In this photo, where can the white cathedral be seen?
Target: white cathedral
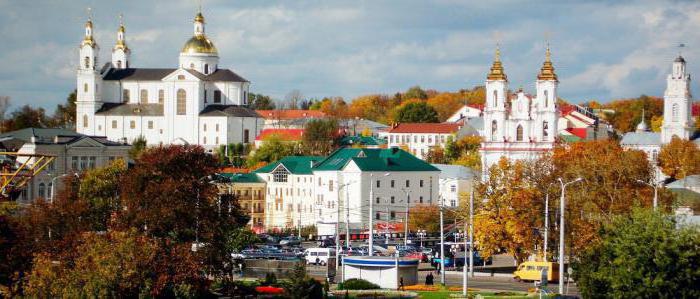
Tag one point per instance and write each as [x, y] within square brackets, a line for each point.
[196, 103]
[677, 117]
[519, 126]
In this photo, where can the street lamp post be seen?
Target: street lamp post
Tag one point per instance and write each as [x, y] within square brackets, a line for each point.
[53, 190]
[441, 200]
[656, 192]
[408, 200]
[421, 235]
[337, 224]
[371, 212]
[562, 205]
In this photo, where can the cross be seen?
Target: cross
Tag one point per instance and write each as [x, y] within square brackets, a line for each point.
[89, 13]
[680, 48]
[121, 19]
[199, 4]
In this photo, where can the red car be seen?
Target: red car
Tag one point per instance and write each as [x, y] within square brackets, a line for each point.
[418, 255]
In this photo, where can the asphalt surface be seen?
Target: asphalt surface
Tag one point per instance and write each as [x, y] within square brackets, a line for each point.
[494, 283]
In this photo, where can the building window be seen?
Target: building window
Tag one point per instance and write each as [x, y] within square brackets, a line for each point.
[408, 183]
[494, 128]
[92, 162]
[392, 200]
[126, 96]
[392, 183]
[204, 140]
[85, 121]
[49, 190]
[330, 185]
[182, 77]
[420, 183]
[545, 131]
[217, 96]
[453, 188]
[495, 98]
[114, 124]
[420, 199]
[245, 98]
[377, 200]
[674, 112]
[216, 140]
[161, 96]
[119, 64]
[132, 124]
[42, 190]
[204, 127]
[85, 87]
[144, 96]
[392, 215]
[150, 124]
[376, 216]
[181, 102]
[217, 127]
[206, 69]
[378, 184]
[87, 62]
[519, 133]
[546, 99]
[83, 162]
[280, 175]
[453, 203]
[205, 96]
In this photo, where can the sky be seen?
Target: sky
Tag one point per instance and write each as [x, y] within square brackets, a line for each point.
[601, 50]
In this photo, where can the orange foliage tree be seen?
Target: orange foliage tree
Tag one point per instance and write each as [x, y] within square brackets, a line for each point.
[679, 158]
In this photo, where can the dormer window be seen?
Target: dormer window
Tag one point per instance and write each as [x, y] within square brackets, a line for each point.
[206, 69]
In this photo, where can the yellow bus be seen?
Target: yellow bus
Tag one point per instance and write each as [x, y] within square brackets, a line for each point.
[532, 271]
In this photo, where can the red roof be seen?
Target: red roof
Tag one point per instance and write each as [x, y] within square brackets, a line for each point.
[695, 110]
[442, 128]
[578, 132]
[289, 114]
[284, 134]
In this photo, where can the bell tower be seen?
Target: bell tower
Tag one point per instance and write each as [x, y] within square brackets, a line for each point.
[678, 120]
[120, 52]
[545, 103]
[89, 83]
[495, 107]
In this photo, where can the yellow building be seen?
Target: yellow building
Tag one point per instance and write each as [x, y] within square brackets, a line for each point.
[250, 192]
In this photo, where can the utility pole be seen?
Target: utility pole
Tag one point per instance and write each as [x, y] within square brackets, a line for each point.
[347, 218]
[471, 231]
[371, 214]
[562, 206]
[546, 224]
[408, 200]
[442, 242]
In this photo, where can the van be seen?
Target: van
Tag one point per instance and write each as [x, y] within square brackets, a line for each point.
[532, 271]
[318, 255]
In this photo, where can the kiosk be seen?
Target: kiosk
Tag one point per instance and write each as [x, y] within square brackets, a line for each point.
[384, 271]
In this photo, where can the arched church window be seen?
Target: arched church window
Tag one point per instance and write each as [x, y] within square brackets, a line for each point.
[87, 62]
[181, 102]
[85, 121]
[494, 128]
[519, 133]
[161, 96]
[144, 96]
[546, 98]
[495, 98]
[545, 131]
[674, 112]
[206, 69]
[119, 64]
[125, 96]
[85, 87]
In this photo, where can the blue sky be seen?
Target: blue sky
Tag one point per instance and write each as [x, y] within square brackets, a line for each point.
[601, 49]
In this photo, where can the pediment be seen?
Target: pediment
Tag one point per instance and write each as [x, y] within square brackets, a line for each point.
[86, 142]
[181, 75]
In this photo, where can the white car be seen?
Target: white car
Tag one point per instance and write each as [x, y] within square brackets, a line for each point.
[318, 255]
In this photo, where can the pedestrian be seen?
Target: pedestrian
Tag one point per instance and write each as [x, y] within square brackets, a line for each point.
[401, 284]
[429, 279]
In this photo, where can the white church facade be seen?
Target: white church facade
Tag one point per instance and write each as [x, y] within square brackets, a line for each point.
[195, 103]
[519, 126]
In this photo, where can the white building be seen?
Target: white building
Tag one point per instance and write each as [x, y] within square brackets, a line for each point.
[677, 121]
[197, 102]
[73, 152]
[519, 126]
[456, 183]
[289, 202]
[396, 179]
[465, 113]
[419, 138]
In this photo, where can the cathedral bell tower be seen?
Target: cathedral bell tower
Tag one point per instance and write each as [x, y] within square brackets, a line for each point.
[678, 120]
[545, 114]
[89, 83]
[120, 52]
[495, 107]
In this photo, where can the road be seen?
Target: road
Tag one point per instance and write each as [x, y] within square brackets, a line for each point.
[494, 283]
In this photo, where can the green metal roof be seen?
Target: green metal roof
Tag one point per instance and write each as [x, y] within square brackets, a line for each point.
[570, 138]
[361, 140]
[295, 164]
[241, 177]
[374, 159]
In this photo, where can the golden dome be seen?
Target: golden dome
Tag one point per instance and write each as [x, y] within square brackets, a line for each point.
[88, 41]
[199, 44]
[497, 71]
[547, 70]
[199, 17]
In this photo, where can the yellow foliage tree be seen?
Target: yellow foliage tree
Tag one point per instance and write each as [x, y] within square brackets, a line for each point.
[679, 158]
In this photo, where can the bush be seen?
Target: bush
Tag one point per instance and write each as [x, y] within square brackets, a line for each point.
[357, 284]
[270, 280]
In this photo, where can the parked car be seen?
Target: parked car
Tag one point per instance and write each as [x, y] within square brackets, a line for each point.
[328, 242]
[290, 241]
[318, 255]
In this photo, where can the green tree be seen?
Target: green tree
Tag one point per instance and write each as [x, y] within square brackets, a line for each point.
[100, 188]
[320, 136]
[27, 117]
[137, 147]
[260, 102]
[240, 238]
[642, 255]
[64, 116]
[416, 112]
[415, 92]
[301, 286]
[272, 149]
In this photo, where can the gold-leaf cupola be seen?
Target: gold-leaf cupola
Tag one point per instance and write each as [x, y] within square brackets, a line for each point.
[88, 40]
[497, 72]
[547, 70]
[199, 43]
[121, 40]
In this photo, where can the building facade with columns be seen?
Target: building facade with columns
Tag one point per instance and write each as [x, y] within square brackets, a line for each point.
[519, 126]
[197, 102]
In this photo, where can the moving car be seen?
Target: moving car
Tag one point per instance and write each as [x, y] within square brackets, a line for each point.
[290, 241]
[532, 271]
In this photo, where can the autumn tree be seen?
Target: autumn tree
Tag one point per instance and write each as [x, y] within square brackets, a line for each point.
[371, 107]
[334, 107]
[320, 136]
[628, 112]
[27, 117]
[415, 92]
[679, 158]
[427, 217]
[446, 104]
[272, 149]
[416, 112]
[99, 187]
[510, 213]
[137, 147]
[64, 116]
